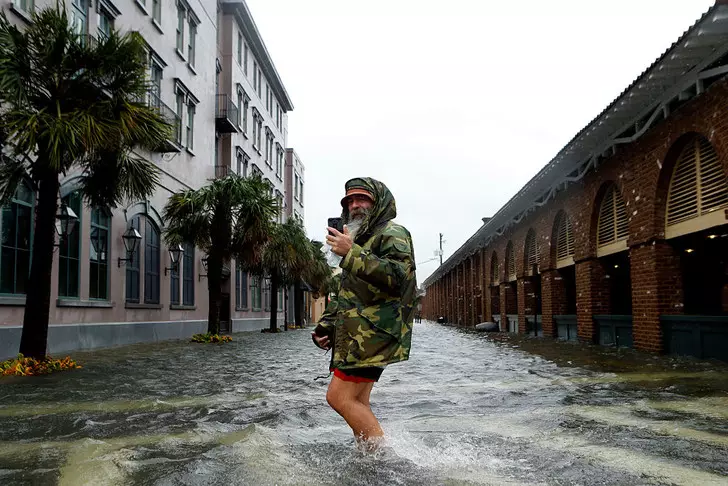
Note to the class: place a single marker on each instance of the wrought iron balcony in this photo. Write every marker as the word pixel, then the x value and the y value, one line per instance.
pixel 226 114
pixel 175 143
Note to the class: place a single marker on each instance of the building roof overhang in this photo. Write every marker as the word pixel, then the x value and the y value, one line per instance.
pixel 697 58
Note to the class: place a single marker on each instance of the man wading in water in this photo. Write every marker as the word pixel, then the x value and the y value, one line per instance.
pixel 369 323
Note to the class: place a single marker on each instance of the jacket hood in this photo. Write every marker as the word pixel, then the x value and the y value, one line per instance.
pixel 383 210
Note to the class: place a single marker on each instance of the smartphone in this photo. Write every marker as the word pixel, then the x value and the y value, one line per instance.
pixel 336 223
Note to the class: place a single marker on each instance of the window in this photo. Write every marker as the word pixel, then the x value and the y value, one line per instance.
pixel 246 103
pixel 260 131
pixel 157 11
pixel 245 59
pixel 267 98
pixel 255 76
pixel 99 255
pixel 279 201
pixel 240 48
pixel 280 299
pixel 243 161
pixel 260 83
pixel 239 121
pixel 79 17
pixel 151 263
pixel 279 162
pixel 256 293
pixel 174 285
pixel 190 126
pixel 241 289
pixel 255 130
pixel 300 192
pixel 25 5
pixel 531 253
pixel 17 236
pixel 188 274
pixel 132 268
pixel 192 42
pixel 185 98
pixel 155 75
pixel 181 14
pixel 266 294
pixel 106 23
pixel 180 114
pixel 295 187
pixel 69 258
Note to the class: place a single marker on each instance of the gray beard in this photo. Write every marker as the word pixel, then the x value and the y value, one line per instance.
pixel 354 226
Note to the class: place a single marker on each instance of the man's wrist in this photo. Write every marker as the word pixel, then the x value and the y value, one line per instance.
pixel 347 262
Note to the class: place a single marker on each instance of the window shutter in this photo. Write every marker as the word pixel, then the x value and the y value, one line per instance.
pixel 564 239
pixel 698 188
pixel 612 218
pixel 510 263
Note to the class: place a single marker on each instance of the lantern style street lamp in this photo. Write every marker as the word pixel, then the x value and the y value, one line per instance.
pixel 99 244
pixel 131 240
pixel 204 265
pixel 174 255
pixel 66 220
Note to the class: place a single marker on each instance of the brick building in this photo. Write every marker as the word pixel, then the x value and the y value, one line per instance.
pixel 622 238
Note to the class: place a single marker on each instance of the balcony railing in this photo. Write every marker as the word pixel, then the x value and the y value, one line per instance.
pixel 174 145
pixel 226 114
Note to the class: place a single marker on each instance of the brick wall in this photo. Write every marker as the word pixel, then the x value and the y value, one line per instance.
pixel 641 171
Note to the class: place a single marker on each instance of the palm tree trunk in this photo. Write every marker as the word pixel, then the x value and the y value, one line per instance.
pixel 274 302
pixel 34 338
pixel 214 283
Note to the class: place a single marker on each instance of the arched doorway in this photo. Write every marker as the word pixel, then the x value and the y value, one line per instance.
pixel 614 326
pixel 696 229
pixel 511 289
pixel 563 292
pixel 532 286
pixel 494 290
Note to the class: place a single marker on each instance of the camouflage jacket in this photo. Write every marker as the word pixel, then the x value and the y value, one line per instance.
pixel 370 319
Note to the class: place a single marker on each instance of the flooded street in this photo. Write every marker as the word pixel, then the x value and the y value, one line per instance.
pixel 467 408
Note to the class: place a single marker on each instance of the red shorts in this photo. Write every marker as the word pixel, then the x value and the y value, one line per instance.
pixel 359 375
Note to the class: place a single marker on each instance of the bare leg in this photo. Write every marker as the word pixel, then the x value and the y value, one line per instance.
pixel 351 401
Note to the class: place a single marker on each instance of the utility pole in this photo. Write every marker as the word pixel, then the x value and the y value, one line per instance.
pixel 440 248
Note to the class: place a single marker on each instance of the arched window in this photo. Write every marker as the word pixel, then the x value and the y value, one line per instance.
pixel 510 263
pixel 17 237
pixel 612 229
pixel 494 279
pixel 698 190
pixel 69 258
pixel 133 267
pixel 151 263
pixel 188 274
pixel 564 241
pixel 99 255
pixel 530 256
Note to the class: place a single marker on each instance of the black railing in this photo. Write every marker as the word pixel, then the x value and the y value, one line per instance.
pixel 226 114
pixel 170 117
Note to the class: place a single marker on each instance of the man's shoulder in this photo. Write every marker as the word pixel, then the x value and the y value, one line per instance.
pixel 393 229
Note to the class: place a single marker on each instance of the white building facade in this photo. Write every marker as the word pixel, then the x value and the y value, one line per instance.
pixel 99 298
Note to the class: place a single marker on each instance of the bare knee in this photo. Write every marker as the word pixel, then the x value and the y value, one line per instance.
pixel 335 400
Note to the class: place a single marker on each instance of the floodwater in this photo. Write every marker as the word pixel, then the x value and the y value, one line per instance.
pixel 468 408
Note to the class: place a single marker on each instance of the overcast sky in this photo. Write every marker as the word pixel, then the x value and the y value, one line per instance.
pixel 454 105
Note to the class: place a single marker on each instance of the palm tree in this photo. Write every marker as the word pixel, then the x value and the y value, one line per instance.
pixel 284 260
pixel 229 218
pixel 70 105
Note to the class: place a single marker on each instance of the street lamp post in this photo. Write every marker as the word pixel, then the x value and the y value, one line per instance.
pixel 131 240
